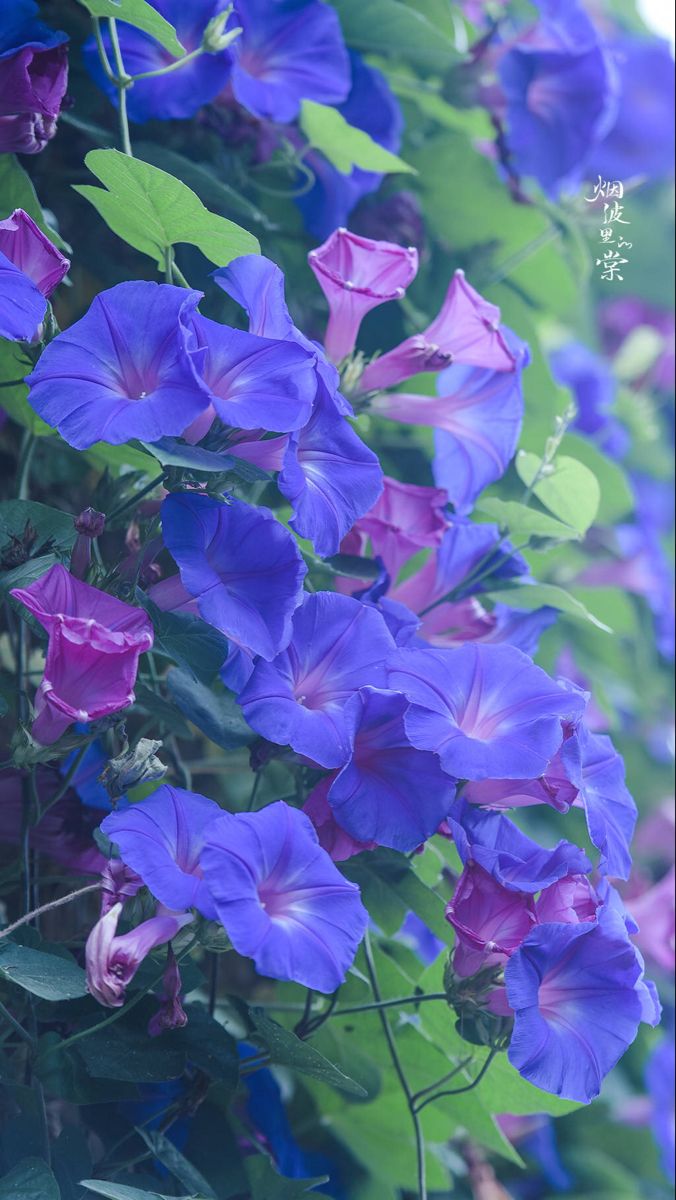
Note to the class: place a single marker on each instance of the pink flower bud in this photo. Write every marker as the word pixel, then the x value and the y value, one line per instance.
pixel 171 1014
pixel 112 961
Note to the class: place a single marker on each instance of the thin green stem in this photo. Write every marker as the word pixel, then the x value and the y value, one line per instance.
pixel 432 1087
pixel 174 66
pixel 168 264
pixel 359 1008
pixel 103 53
pixel 16 1025
pixel 28 445
pixel 179 276
pixel 65 784
pixel 459 1091
pixel 37 912
pixel 401 1074
pixel 122 82
pixel 133 500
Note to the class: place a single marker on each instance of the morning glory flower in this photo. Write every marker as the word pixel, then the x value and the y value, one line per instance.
pixel 389 792
pixel 33 78
pixel 609 807
pixel 406 518
pixel 594 387
pixel 578 997
pixel 31 268
pixel 255 382
pixel 337 646
pixel 288 51
pixel 371 106
pixel 113 959
pixel 517 862
pixel 559 91
pixel 640 141
pixel 490 921
pixel 332 837
pixel 181 93
pixel 568 901
pixel 95 642
pixel 242 567
pixel 128 369
pixel 466 330
pixel 487 711
pixel 356 275
pixel 161 839
pixel 281 899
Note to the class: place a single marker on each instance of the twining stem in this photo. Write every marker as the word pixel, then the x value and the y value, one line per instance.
pixel 459 1091
pixel 432 1087
pixel 173 66
pixel 359 1008
pixel 28 446
pixel 37 912
pixel 122 81
pixel 16 1026
pixel 103 53
pixel 133 500
pixel 401 1074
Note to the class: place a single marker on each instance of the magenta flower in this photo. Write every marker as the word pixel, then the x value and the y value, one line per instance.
pixel 128 369
pixel 655 914
pixel 467 330
pixel 568 901
pixel 33 78
pixel 30 269
pixel 281 899
pixel 24 244
pixel 357 274
pixel 171 1014
pixel 118 883
pixel 95 642
pixel 332 837
pixel 161 839
pixel 112 961
pixel 490 921
pixel 405 518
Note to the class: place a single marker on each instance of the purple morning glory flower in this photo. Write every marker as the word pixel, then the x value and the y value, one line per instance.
pixel 594 387
pixel 288 51
pixel 255 382
pixel 370 106
pixel 469 560
pixel 113 959
pixel 243 568
pixel 335 840
pixel 31 268
pixel 337 646
pixel 487 711
pixel 478 421
pixel 161 839
pixel 513 859
pixel 641 140
pixel 329 476
pixel 33 78
pixel 490 920
pixel 559 95
pixel 578 997
pixel 182 92
pixel 569 901
pixel 281 899
pixel 356 275
pixel 95 642
pixel 466 330
pixel 405 519
pixel 609 807
pixel 389 792
pixel 128 369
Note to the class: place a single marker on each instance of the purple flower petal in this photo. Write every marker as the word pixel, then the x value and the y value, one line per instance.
pixel 255 382
pixel 281 899
pixel 24 244
pixel 332 837
pixel 608 804
pixel 488 711
pixel 513 859
pixel 127 369
pixel 576 995
pixel 22 304
pixel 243 568
pixel 289 50
pixel 338 645
pixel 161 839
pixel 389 792
pixel 405 518
pixel 490 921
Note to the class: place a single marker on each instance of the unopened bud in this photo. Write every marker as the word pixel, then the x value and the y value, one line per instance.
pixel 171 1015
pixel 90 524
pixel 132 767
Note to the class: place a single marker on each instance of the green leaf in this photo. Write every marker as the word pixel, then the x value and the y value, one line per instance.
pixel 26 574
pixel 211 189
pixel 46 975
pixel 390 28
pixel 289 1051
pixel 345 146
pixel 54 530
pixel 175 1162
pixel 125 1052
pixel 528 597
pixel 153 211
pixel 390 888
pixel 13 391
pixel 524 523
pixel 120 1191
pixel 216 714
pixel 209 1046
pixel 30 1179
pixel 141 15
pixel 17 191
pixel 149 700
pixel 267 1184
pixel 617 499
pixel 504 1091
pixel 187 640
pixel 569 489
